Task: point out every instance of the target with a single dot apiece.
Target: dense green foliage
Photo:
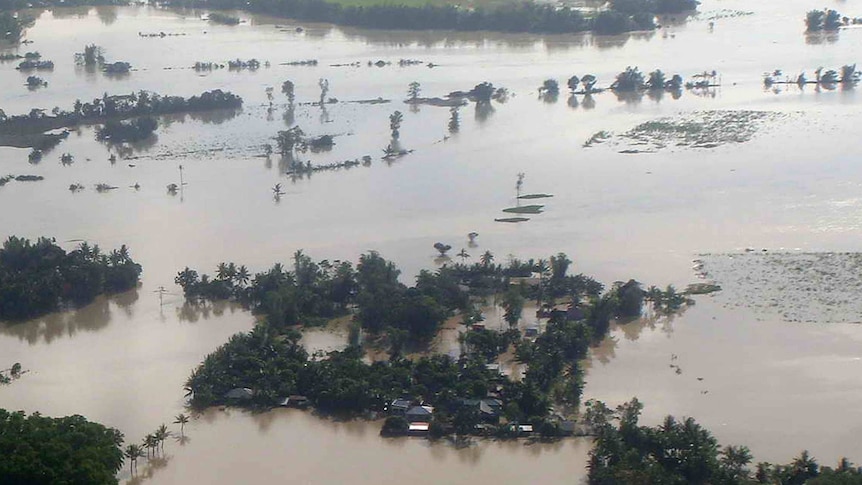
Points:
(686, 453)
(633, 7)
(819, 20)
(271, 363)
(316, 292)
(38, 450)
(225, 19)
(514, 17)
(127, 131)
(274, 365)
(37, 278)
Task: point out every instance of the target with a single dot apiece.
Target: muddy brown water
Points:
(775, 386)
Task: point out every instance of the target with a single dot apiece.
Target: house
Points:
(294, 401)
(478, 326)
(531, 331)
(493, 368)
(525, 428)
(419, 414)
(399, 406)
(242, 393)
(418, 429)
(490, 409)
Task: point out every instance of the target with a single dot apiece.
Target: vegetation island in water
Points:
(621, 16)
(41, 277)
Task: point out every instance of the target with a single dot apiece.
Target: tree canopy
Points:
(40, 450)
(37, 278)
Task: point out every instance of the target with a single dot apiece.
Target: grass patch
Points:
(704, 129)
(535, 196)
(512, 219)
(597, 137)
(525, 209)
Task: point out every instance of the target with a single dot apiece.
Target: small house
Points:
(531, 331)
(419, 414)
(239, 393)
(525, 428)
(399, 407)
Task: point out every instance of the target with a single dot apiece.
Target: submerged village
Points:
(520, 242)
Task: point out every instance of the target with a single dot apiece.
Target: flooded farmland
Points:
(777, 383)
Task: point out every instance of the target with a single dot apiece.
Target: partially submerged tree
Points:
(395, 120)
(324, 90)
(413, 90)
(629, 80)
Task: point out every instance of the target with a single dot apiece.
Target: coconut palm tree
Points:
(181, 420)
(463, 255)
(133, 452)
(487, 258)
(151, 444)
(242, 275)
(161, 435)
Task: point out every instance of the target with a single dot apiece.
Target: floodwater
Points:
(778, 387)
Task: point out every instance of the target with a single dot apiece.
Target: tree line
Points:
(678, 452)
(41, 277)
(623, 16)
(116, 107)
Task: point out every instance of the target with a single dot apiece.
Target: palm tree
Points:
(487, 258)
(150, 443)
(242, 275)
(133, 452)
(181, 420)
(222, 271)
(161, 435)
(463, 255)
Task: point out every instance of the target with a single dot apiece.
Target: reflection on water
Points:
(618, 216)
(193, 311)
(363, 456)
(91, 318)
(106, 13)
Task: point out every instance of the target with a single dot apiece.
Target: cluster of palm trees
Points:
(153, 443)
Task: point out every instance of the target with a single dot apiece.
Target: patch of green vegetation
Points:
(597, 137)
(512, 219)
(702, 288)
(37, 278)
(224, 19)
(702, 129)
(535, 196)
(525, 209)
(627, 452)
(38, 449)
